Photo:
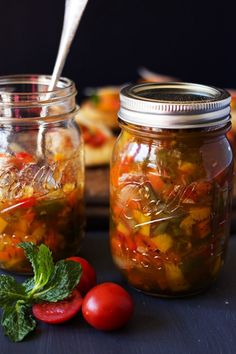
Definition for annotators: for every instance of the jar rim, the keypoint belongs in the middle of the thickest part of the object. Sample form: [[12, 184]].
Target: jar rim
[[62, 84], [26, 97]]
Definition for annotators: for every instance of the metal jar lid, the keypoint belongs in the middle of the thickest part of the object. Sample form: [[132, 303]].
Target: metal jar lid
[[174, 105]]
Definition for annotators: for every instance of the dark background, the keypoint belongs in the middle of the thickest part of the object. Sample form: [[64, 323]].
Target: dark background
[[192, 40]]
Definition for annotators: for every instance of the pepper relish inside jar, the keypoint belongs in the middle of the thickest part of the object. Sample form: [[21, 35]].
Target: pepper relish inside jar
[[171, 187], [41, 169]]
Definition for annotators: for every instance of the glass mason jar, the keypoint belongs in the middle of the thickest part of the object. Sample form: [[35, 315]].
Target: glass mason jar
[[41, 169], [171, 187]]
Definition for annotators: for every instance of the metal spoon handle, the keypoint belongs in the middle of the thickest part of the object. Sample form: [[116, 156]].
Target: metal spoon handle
[[73, 13]]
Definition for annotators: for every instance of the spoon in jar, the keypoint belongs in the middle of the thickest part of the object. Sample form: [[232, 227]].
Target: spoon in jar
[[73, 12]]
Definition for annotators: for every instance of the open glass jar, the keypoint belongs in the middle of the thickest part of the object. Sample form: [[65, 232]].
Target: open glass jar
[[41, 169], [171, 187]]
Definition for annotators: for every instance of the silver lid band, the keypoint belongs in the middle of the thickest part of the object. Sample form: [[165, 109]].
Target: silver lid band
[[174, 105], [166, 121]]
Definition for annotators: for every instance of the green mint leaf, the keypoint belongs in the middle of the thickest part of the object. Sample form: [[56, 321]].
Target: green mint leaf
[[17, 322], [10, 291], [31, 252], [28, 285], [65, 277], [45, 264], [42, 263]]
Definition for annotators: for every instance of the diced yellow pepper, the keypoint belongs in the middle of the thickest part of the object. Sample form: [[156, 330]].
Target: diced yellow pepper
[[68, 187], [175, 277], [143, 222], [59, 157], [187, 167], [28, 191], [3, 224], [187, 224], [123, 229], [200, 213], [195, 215], [163, 242]]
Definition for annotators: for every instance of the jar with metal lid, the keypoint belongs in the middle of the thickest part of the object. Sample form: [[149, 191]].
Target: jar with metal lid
[[41, 169], [171, 187]]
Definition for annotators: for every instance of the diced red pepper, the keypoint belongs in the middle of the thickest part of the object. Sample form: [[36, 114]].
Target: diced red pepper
[[27, 202], [24, 157]]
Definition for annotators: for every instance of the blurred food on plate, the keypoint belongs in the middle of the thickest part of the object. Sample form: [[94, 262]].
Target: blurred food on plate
[[98, 141], [102, 106], [98, 118]]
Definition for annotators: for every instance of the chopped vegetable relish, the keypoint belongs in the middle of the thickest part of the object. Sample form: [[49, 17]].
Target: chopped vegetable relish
[[39, 204], [170, 208]]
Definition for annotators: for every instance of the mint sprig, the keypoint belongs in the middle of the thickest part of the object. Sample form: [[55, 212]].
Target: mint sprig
[[50, 283], [10, 291], [17, 321]]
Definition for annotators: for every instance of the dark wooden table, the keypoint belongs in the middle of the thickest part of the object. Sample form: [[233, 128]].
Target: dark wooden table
[[202, 324]]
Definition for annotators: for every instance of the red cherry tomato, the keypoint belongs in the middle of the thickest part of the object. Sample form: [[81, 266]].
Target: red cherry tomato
[[88, 278], [107, 306], [58, 312]]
